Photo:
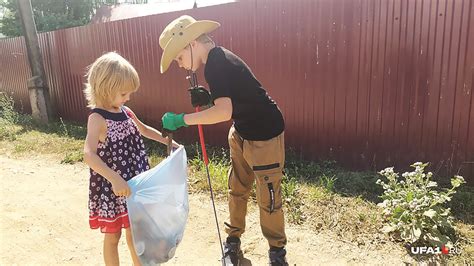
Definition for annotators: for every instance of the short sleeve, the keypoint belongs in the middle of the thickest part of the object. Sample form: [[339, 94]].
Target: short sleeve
[[217, 75]]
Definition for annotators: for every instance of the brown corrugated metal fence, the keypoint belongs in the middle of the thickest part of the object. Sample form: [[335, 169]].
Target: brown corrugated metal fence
[[367, 83]]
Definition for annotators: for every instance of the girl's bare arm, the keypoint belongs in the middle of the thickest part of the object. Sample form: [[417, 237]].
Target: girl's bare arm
[[97, 131], [150, 132]]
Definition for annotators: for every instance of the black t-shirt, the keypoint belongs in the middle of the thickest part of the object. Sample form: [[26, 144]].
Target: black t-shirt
[[256, 116]]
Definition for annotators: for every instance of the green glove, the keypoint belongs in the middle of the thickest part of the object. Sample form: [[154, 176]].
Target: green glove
[[172, 121]]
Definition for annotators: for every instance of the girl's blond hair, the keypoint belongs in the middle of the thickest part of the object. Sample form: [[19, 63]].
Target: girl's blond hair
[[109, 75]]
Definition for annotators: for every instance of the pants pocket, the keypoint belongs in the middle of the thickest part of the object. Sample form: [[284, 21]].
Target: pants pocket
[[269, 190]]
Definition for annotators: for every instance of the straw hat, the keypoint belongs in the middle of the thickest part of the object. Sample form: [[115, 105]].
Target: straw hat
[[179, 33]]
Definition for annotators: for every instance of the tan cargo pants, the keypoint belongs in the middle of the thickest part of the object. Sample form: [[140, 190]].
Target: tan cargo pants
[[263, 161]]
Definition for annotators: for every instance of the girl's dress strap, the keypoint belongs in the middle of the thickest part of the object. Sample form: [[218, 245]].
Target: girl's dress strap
[[109, 115]]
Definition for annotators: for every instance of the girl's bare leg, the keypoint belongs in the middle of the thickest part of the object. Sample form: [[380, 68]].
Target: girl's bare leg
[[131, 247], [111, 241]]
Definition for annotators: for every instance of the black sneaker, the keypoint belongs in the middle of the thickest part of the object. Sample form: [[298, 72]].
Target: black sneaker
[[277, 257], [232, 252]]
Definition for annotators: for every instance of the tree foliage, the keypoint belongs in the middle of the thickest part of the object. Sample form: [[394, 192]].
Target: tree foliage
[[52, 14]]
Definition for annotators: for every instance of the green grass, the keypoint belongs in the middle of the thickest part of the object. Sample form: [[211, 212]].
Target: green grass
[[321, 195]]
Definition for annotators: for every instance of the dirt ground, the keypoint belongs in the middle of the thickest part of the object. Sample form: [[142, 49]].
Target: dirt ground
[[44, 221]]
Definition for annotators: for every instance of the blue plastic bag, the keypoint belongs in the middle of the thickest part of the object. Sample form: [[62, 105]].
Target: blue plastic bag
[[158, 208]]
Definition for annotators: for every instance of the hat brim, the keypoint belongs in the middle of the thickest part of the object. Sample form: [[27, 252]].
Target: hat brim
[[178, 43]]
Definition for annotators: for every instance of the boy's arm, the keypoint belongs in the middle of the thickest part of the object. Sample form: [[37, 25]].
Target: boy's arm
[[220, 112], [149, 132], [95, 126]]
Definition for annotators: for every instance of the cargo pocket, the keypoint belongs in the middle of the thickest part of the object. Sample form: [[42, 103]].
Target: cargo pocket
[[269, 190], [266, 159]]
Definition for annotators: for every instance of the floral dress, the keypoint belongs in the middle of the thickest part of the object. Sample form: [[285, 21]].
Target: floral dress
[[124, 152]]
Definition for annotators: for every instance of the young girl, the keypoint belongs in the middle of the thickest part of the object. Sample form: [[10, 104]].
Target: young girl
[[113, 149]]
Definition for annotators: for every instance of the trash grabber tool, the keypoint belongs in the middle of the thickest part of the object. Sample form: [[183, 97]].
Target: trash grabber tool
[[193, 81]]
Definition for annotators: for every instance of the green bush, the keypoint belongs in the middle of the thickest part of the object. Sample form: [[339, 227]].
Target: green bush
[[8, 117], [414, 207], [7, 111]]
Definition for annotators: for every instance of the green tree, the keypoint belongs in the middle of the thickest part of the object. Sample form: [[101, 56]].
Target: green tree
[[53, 14]]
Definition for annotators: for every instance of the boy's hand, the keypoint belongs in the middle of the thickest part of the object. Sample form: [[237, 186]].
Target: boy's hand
[[172, 121], [199, 96], [120, 187]]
